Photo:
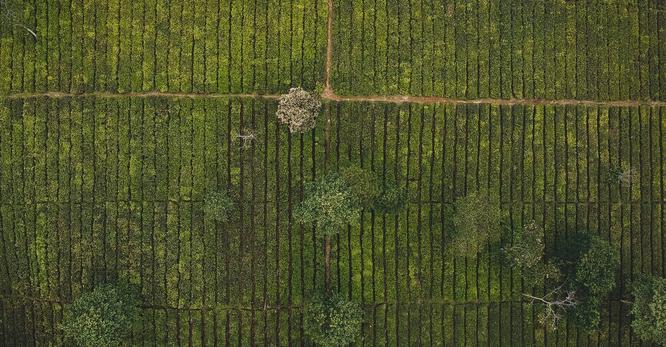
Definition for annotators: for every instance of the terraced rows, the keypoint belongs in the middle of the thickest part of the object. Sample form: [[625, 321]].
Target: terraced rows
[[192, 46], [120, 117], [94, 188], [543, 49]]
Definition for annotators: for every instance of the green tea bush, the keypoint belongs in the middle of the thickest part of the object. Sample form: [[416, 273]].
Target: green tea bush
[[299, 110], [526, 254], [477, 222], [103, 317], [218, 205], [328, 203], [649, 309], [391, 199], [363, 184], [331, 320]]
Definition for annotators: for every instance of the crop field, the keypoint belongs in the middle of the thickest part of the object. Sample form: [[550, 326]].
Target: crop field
[[543, 49], [122, 115]]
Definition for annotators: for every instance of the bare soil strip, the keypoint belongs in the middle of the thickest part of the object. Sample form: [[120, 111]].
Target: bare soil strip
[[331, 96]]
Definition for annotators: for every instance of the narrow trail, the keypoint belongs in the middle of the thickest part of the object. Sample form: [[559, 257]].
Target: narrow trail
[[329, 95]]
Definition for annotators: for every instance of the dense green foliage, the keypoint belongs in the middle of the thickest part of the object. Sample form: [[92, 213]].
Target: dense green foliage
[[597, 267], [363, 184], [477, 223], [332, 320], [218, 205], [329, 203], [391, 199], [592, 264], [649, 309], [103, 317], [527, 255]]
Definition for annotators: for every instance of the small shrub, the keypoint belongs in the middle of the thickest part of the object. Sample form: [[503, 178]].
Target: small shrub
[[649, 309], [331, 320], [597, 266], [328, 203], [299, 110], [476, 224], [103, 317], [218, 205], [391, 199], [527, 256], [362, 183]]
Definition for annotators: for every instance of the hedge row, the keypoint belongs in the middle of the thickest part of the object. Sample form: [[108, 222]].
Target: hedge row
[[93, 188], [195, 46], [551, 49]]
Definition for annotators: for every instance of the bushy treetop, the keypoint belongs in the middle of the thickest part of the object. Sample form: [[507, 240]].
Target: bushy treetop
[[328, 203], [477, 222], [102, 317], [299, 110], [331, 320], [649, 309]]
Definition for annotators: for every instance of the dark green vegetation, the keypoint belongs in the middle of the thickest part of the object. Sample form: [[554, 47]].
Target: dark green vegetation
[[103, 317], [543, 49], [193, 198], [329, 205], [332, 320], [649, 309]]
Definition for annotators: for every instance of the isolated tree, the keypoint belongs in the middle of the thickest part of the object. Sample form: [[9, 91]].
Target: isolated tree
[[218, 205], [649, 309], [527, 253], [299, 110], [10, 17], [362, 183], [328, 203], [331, 320], [104, 316], [477, 222]]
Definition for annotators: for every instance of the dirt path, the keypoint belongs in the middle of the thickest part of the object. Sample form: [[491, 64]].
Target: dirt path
[[331, 96]]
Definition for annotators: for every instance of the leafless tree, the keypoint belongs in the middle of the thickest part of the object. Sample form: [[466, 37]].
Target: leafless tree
[[247, 137], [556, 304]]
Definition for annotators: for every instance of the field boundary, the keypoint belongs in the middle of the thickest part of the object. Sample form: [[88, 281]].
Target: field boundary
[[331, 96]]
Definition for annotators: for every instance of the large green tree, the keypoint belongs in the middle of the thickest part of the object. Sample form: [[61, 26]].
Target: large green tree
[[649, 309], [104, 316], [331, 320], [477, 222], [329, 203]]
